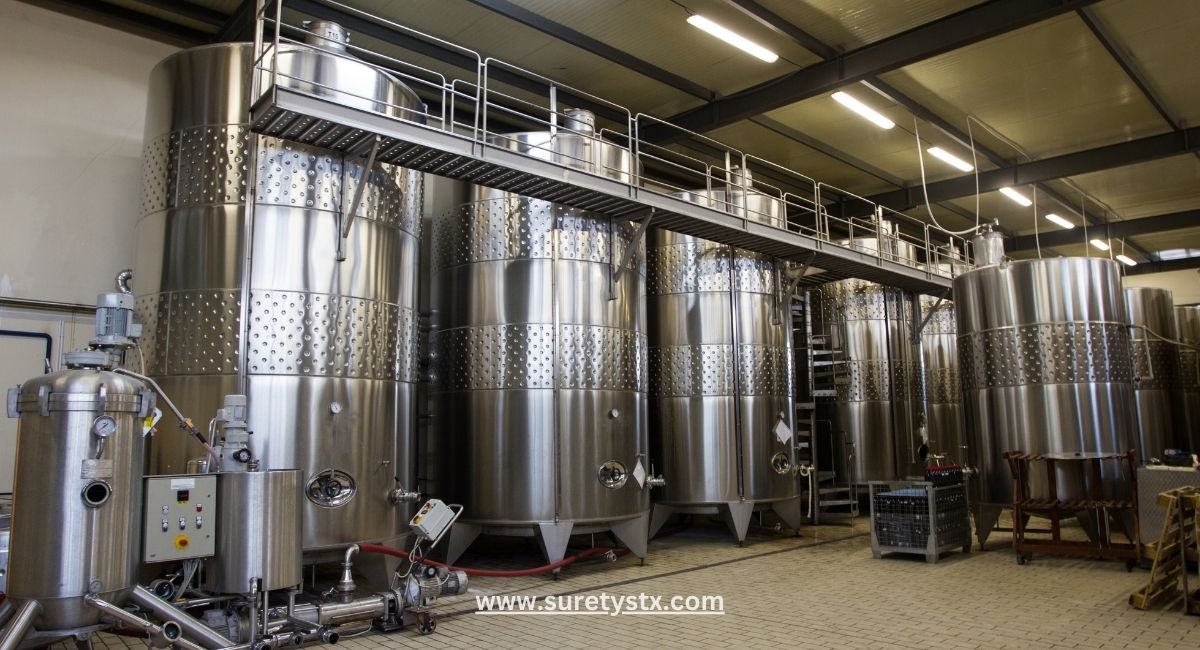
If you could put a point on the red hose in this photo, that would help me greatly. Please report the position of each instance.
(493, 573)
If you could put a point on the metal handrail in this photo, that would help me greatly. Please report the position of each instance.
(797, 193)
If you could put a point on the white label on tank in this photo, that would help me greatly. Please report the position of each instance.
(183, 484)
(639, 473)
(783, 432)
(93, 468)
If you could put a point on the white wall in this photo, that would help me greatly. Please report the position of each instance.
(1185, 285)
(71, 115)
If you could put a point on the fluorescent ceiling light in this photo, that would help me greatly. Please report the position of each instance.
(733, 38)
(863, 110)
(1016, 196)
(1054, 218)
(1100, 243)
(1127, 261)
(953, 160)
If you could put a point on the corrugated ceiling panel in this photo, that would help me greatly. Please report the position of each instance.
(657, 32)
(849, 24)
(1051, 87)
(1162, 38)
(1157, 187)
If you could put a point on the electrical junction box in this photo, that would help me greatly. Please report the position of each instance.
(432, 520)
(180, 517)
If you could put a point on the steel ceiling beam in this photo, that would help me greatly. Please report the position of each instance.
(946, 34)
(1112, 230)
(1164, 266)
(1155, 147)
(238, 26)
(129, 20)
(781, 25)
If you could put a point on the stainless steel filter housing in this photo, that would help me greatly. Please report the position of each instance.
(258, 532)
(1187, 320)
(721, 372)
(874, 414)
(77, 493)
(241, 291)
(1046, 367)
(940, 388)
(540, 358)
(1155, 372)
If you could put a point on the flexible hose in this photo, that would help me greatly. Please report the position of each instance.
(494, 573)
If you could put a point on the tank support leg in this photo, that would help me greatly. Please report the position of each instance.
(986, 517)
(461, 537)
(553, 538)
(634, 534)
(659, 516)
(790, 512)
(737, 516)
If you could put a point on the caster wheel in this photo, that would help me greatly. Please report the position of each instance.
(1021, 559)
(427, 626)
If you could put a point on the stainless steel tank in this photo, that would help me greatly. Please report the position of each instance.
(1155, 373)
(1187, 320)
(874, 415)
(540, 360)
(258, 532)
(77, 491)
(241, 289)
(721, 371)
(1045, 365)
(940, 390)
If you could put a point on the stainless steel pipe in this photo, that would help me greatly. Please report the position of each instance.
(169, 633)
(192, 628)
(20, 624)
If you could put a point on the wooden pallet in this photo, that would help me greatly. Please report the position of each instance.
(1168, 574)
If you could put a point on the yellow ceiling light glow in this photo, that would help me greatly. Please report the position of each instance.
(950, 159)
(1016, 196)
(862, 109)
(733, 38)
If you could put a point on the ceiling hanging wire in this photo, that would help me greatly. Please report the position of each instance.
(1037, 240)
(925, 190)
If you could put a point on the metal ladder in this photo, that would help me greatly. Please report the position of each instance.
(825, 372)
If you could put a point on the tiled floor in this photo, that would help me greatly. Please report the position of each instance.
(820, 590)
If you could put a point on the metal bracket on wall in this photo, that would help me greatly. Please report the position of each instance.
(628, 253)
(346, 216)
(920, 327)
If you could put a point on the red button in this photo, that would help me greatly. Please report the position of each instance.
(199, 508)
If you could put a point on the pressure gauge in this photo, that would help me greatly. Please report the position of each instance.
(104, 426)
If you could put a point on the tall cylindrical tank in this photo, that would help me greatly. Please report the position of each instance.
(1155, 374)
(540, 357)
(940, 389)
(1045, 366)
(1188, 413)
(721, 370)
(874, 414)
(77, 490)
(241, 289)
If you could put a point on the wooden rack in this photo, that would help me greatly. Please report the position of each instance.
(1097, 506)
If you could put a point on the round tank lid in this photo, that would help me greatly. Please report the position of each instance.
(89, 359)
(579, 120)
(326, 34)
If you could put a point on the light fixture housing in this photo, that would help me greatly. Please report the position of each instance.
(1016, 196)
(1059, 221)
(1100, 243)
(949, 158)
(862, 109)
(1126, 260)
(733, 38)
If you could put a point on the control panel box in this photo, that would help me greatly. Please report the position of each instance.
(432, 520)
(180, 517)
